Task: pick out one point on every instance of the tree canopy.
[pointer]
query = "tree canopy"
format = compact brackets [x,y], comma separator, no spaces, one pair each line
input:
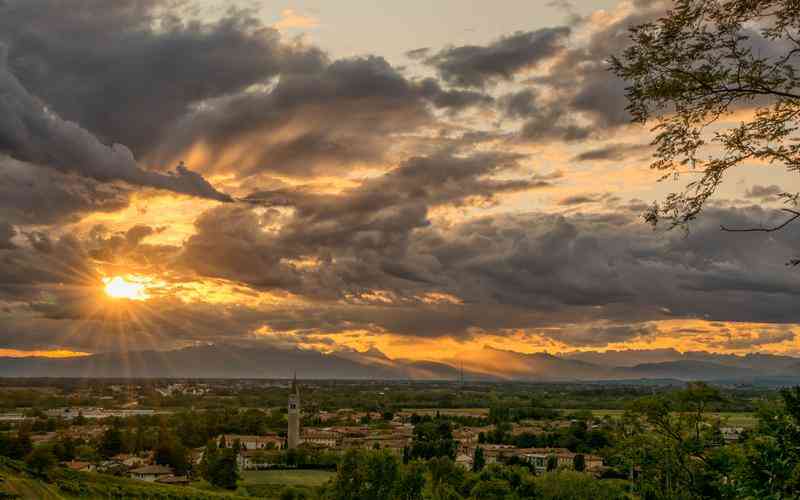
[698,70]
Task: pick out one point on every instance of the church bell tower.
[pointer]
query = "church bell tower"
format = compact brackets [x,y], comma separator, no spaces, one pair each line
[293,433]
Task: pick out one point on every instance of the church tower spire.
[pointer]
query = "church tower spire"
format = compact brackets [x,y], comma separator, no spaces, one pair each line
[293,432]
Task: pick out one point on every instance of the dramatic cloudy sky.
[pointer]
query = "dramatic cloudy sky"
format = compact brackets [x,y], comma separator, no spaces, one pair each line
[424,178]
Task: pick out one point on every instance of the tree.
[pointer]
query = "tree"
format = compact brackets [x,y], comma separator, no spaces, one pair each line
[64,449]
[568,485]
[579,462]
[111,442]
[673,444]
[222,470]
[406,455]
[693,68]
[366,475]
[446,478]
[503,482]
[412,482]
[552,463]
[22,445]
[208,462]
[433,439]
[478,460]
[16,447]
[494,489]
[80,419]
[171,452]
[770,465]
[41,459]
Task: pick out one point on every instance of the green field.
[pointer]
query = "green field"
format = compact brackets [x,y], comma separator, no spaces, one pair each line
[270,484]
[286,477]
[739,419]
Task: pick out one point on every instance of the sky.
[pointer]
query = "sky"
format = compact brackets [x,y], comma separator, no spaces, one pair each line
[421,178]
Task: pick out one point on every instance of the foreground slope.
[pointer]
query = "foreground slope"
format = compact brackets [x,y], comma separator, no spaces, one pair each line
[17,481]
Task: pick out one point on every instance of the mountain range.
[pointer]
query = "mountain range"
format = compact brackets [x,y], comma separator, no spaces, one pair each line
[231,361]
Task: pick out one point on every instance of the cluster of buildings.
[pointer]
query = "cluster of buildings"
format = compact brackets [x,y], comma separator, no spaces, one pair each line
[539,458]
[69,413]
[395,436]
[183,389]
[346,429]
[139,467]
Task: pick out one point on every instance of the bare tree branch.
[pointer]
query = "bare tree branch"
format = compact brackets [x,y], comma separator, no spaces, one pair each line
[795,216]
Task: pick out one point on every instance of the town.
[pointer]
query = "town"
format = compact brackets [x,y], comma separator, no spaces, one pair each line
[236,436]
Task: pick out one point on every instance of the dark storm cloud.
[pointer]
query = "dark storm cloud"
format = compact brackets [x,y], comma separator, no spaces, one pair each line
[546,263]
[587,198]
[613,152]
[32,133]
[524,271]
[78,321]
[350,112]
[753,341]
[133,72]
[370,257]
[36,195]
[127,69]
[519,104]
[42,264]
[455,100]
[417,54]
[126,247]
[521,271]
[360,236]
[603,335]
[585,98]
[58,276]
[764,192]
[478,66]
[7,232]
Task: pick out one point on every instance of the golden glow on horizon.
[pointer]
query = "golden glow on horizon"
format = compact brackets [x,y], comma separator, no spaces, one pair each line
[128,287]
[57,353]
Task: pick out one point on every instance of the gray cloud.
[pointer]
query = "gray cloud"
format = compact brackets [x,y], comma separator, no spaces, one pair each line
[126,70]
[613,152]
[758,339]
[519,104]
[351,112]
[360,236]
[371,257]
[7,232]
[478,66]
[30,194]
[586,99]
[601,336]
[32,133]
[510,272]
[763,192]
[587,198]
[43,265]
[418,54]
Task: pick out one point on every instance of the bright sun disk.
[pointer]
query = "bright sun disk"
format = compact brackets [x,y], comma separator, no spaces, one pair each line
[120,287]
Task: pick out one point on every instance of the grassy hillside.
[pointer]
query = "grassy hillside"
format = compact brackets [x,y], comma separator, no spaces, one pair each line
[17,481]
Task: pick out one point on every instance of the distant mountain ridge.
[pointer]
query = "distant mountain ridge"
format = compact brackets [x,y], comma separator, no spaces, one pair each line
[231,361]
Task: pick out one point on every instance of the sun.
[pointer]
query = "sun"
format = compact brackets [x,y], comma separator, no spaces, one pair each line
[129,287]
